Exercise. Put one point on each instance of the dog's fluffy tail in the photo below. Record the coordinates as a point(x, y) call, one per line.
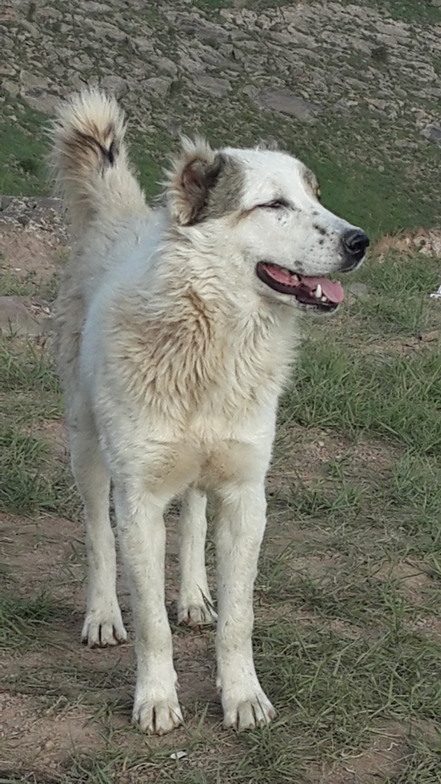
point(89, 160)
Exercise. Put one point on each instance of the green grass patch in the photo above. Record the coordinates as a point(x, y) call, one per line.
point(22, 153)
point(398, 302)
point(332, 690)
point(419, 11)
point(391, 397)
point(28, 285)
point(360, 192)
point(22, 619)
point(24, 367)
point(34, 481)
point(353, 378)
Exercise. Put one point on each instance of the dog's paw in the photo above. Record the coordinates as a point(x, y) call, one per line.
point(255, 711)
point(196, 614)
point(157, 716)
point(103, 626)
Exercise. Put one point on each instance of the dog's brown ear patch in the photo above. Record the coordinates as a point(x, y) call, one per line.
point(312, 183)
point(193, 176)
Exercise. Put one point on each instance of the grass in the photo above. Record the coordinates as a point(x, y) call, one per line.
point(23, 147)
point(22, 619)
point(28, 285)
point(388, 388)
point(405, 10)
point(420, 11)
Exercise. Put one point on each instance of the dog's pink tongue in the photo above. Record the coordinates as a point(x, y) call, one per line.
point(332, 289)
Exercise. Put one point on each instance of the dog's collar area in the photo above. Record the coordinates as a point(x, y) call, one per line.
point(320, 293)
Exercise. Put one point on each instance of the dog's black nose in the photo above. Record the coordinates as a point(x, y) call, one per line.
point(355, 243)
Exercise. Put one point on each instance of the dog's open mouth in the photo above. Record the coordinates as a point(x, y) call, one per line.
point(319, 293)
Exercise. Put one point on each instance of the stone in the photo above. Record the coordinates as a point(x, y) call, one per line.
point(157, 85)
point(212, 85)
point(23, 316)
point(201, 29)
point(30, 80)
point(11, 87)
point(34, 89)
point(342, 106)
point(357, 290)
point(40, 100)
point(432, 133)
point(31, 28)
point(285, 102)
point(7, 69)
point(165, 64)
point(5, 202)
point(115, 85)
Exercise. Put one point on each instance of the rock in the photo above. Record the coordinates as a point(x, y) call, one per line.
point(11, 87)
point(201, 29)
point(411, 241)
point(23, 316)
point(211, 85)
point(92, 7)
point(34, 89)
point(432, 132)
point(5, 202)
point(342, 106)
point(285, 102)
point(31, 28)
point(40, 100)
point(43, 214)
point(357, 290)
point(157, 85)
point(165, 64)
point(30, 80)
point(115, 85)
point(6, 69)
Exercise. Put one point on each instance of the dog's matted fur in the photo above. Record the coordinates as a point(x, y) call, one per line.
point(176, 332)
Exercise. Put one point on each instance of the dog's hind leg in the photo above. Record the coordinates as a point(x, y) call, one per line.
point(195, 606)
point(103, 624)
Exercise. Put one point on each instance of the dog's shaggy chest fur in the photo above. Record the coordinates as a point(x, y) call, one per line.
point(203, 357)
point(176, 331)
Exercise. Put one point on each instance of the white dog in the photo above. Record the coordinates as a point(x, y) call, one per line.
point(177, 329)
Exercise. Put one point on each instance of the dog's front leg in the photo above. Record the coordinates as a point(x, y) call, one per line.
point(240, 526)
point(142, 535)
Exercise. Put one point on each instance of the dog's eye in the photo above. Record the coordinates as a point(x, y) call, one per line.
point(277, 204)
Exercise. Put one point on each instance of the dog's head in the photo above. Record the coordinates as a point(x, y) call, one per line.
point(264, 206)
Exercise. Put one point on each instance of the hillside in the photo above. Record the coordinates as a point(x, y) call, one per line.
point(352, 87)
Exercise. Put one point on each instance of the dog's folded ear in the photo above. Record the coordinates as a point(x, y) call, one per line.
point(193, 176)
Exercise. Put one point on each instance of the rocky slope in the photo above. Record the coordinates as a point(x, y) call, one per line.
point(337, 81)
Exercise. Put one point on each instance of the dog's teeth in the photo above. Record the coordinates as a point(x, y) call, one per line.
point(318, 292)
point(323, 298)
